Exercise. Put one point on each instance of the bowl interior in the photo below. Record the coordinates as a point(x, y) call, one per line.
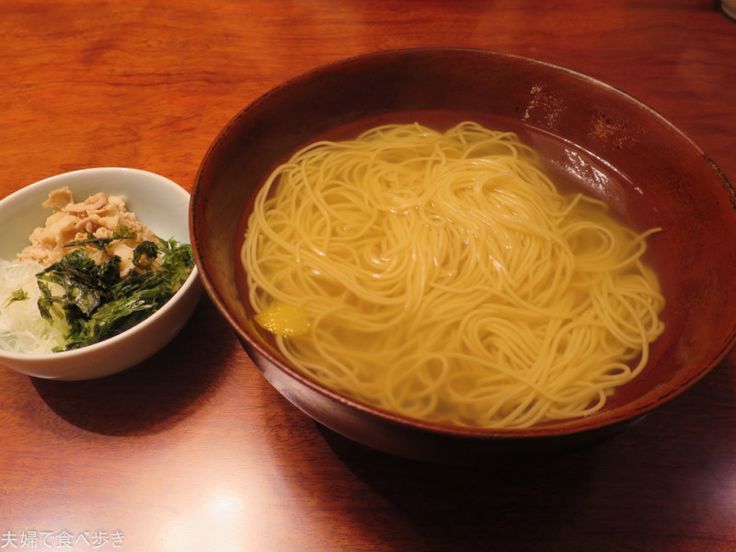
point(157, 201)
point(589, 135)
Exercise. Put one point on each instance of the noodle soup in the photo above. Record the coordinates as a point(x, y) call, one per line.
point(443, 276)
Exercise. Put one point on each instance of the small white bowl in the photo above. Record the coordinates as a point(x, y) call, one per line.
point(157, 202)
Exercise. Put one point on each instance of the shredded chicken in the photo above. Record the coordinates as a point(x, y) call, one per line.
point(99, 215)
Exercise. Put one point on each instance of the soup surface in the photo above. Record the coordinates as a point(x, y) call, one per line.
point(446, 274)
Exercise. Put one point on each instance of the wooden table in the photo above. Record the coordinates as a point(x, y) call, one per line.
point(192, 450)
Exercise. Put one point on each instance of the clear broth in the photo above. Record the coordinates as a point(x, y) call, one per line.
point(572, 168)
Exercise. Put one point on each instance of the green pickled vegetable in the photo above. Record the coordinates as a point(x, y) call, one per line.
point(97, 303)
point(17, 295)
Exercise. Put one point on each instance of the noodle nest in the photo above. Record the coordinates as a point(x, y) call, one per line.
point(443, 277)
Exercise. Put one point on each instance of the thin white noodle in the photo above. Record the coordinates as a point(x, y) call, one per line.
point(447, 279)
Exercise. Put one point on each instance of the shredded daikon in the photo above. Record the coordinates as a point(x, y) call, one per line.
point(22, 328)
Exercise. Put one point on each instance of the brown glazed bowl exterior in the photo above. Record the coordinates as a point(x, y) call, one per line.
point(648, 171)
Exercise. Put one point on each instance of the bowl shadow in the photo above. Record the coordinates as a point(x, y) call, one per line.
point(652, 487)
point(155, 394)
point(468, 507)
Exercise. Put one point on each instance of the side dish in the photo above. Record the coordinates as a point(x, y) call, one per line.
point(92, 271)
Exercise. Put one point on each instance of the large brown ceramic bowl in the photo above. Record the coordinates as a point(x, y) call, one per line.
point(589, 135)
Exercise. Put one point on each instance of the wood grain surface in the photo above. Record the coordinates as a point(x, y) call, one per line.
point(192, 450)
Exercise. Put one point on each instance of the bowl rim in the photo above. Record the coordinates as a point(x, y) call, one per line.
point(141, 326)
point(560, 428)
